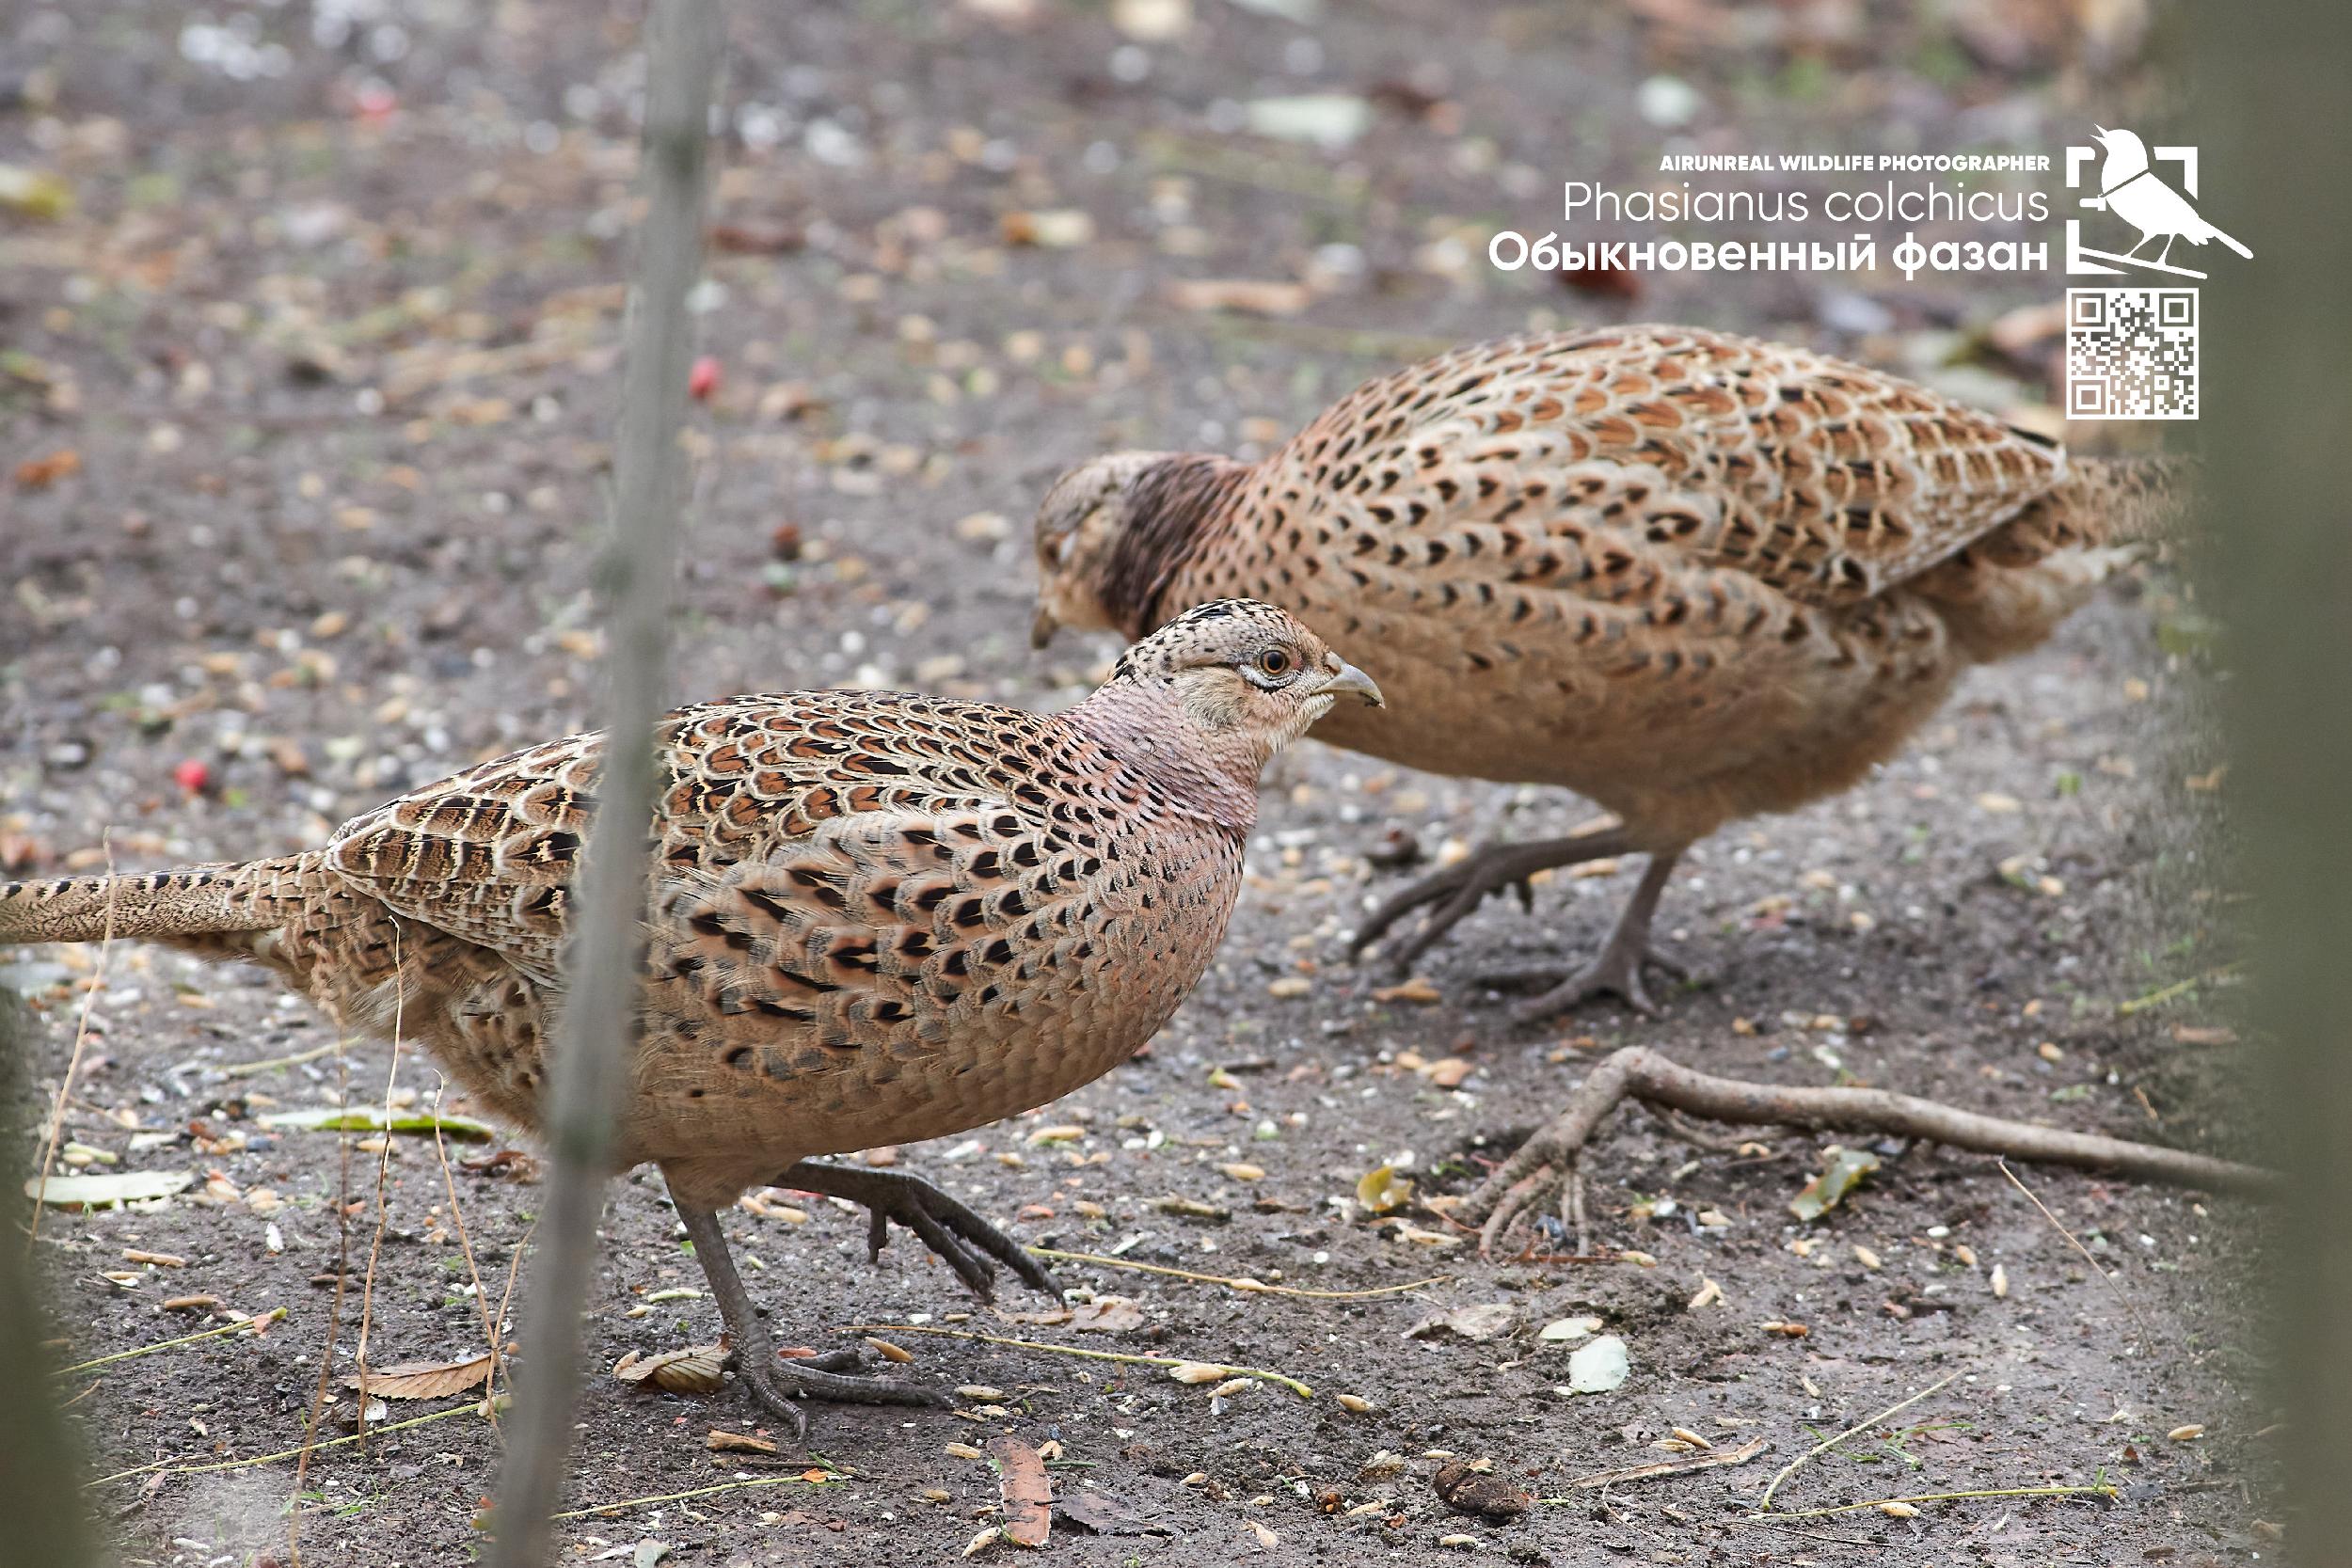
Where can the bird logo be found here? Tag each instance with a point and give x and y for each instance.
(2130, 187)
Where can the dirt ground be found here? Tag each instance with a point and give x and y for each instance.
(329, 335)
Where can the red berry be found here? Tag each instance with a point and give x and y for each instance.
(702, 379)
(192, 776)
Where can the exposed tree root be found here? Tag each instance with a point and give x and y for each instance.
(1545, 1169)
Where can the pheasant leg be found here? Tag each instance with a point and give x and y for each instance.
(961, 1238)
(1616, 968)
(1461, 887)
(774, 1382)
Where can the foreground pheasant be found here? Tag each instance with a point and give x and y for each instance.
(1691, 577)
(876, 917)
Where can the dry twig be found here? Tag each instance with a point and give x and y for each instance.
(1545, 1166)
(81, 1037)
(1302, 1389)
(1241, 1283)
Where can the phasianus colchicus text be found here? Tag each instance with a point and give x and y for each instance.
(874, 917)
(1692, 577)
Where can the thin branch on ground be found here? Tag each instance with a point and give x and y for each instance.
(1765, 1505)
(96, 983)
(1244, 1284)
(798, 1478)
(479, 1407)
(383, 1182)
(1544, 1169)
(600, 1015)
(2055, 1224)
(257, 1325)
(247, 1070)
(1129, 1359)
(2106, 1494)
(465, 1245)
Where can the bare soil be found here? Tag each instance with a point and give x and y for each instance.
(333, 350)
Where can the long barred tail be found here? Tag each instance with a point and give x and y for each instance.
(199, 901)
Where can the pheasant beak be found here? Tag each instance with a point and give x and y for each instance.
(1348, 678)
(1041, 629)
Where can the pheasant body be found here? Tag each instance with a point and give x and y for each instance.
(1689, 575)
(873, 917)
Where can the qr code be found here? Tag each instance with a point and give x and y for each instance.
(2131, 354)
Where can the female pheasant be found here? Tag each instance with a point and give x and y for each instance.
(875, 917)
(1692, 577)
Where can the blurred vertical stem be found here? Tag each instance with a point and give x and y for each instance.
(41, 1498)
(2274, 120)
(599, 1019)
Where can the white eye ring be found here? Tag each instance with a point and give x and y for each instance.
(1272, 669)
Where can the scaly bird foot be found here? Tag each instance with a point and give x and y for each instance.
(1462, 887)
(775, 1382)
(1615, 971)
(964, 1240)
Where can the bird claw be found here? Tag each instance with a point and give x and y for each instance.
(776, 1382)
(1462, 887)
(968, 1244)
(1616, 970)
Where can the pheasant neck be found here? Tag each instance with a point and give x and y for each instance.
(1173, 508)
(1143, 725)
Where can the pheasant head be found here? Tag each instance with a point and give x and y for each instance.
(1110, 531)
(1205, 702)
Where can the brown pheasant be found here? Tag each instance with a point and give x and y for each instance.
(1691, 577)
(875, 917)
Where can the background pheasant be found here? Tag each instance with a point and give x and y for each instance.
(876, 917)
(1692, 577)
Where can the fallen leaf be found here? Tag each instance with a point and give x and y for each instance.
(1561, 1331)
(39, 473)
(1381, 1190)
(36, 192)
(1248, 296)
(1328, 120)
(692, 1369)
(737, 1442)
(1093, 1509)
(1599, 1366)
(1062, 229)
(422, 1380)
(371, 1118)
(1842, 1171)
(1027, 1491)
(1487, 1320)
(129, 1186)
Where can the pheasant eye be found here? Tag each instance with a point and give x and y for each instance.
(1274, 661)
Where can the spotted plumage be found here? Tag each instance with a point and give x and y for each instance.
(873, 917)
(1691, 575)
